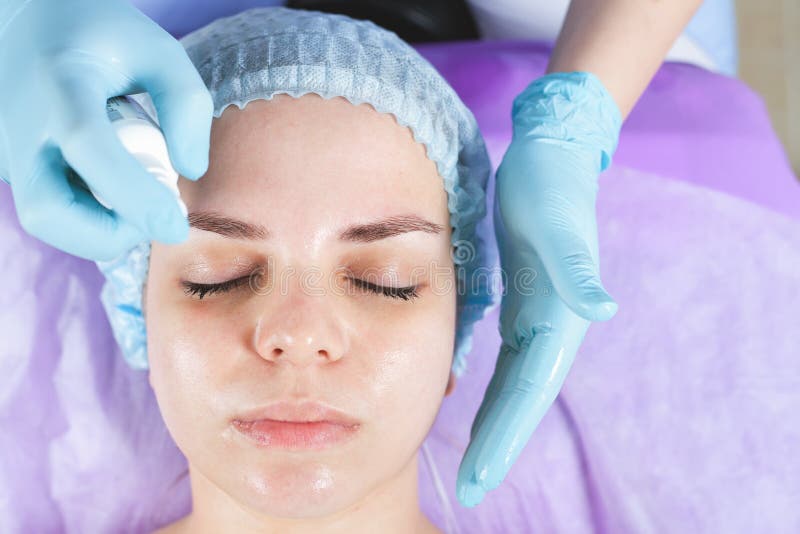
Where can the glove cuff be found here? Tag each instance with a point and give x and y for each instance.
(573, 107)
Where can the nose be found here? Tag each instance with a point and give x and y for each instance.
(300, 329)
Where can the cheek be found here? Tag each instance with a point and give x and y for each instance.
(412, 359)
(189, 348)
(183, 344)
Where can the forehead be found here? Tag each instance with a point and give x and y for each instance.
(316, 158)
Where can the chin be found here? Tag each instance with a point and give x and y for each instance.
(299, 490)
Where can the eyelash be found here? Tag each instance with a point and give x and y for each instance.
(201, 290)
(404, 293)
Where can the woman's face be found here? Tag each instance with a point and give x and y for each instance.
(311, 196)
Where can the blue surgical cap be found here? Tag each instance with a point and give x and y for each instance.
(262, 52)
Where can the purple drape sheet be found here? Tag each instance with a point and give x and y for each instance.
(679, 415)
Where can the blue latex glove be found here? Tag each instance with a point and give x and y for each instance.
(59, 63)
(566, 128)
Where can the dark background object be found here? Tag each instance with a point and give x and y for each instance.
(415, 21)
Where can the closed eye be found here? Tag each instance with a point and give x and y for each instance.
(404, 293)
(201, 290)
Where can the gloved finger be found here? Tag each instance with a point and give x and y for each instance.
(183, 104)
(93, 149)
(51, 209)
(514, 406)
(495, 384)
(575, 275)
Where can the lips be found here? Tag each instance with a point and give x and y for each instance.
(287, 425)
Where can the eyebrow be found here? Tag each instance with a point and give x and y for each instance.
(226, 226)
(357, 233)
(388, 227)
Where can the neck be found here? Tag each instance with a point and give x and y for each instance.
(392, 508)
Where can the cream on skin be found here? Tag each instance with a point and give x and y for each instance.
(301, 172)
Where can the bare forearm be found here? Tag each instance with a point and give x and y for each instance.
(622, 42)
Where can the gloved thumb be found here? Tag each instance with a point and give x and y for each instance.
(575, 275)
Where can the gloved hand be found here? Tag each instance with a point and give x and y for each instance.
(566, 128)
(59, 62)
